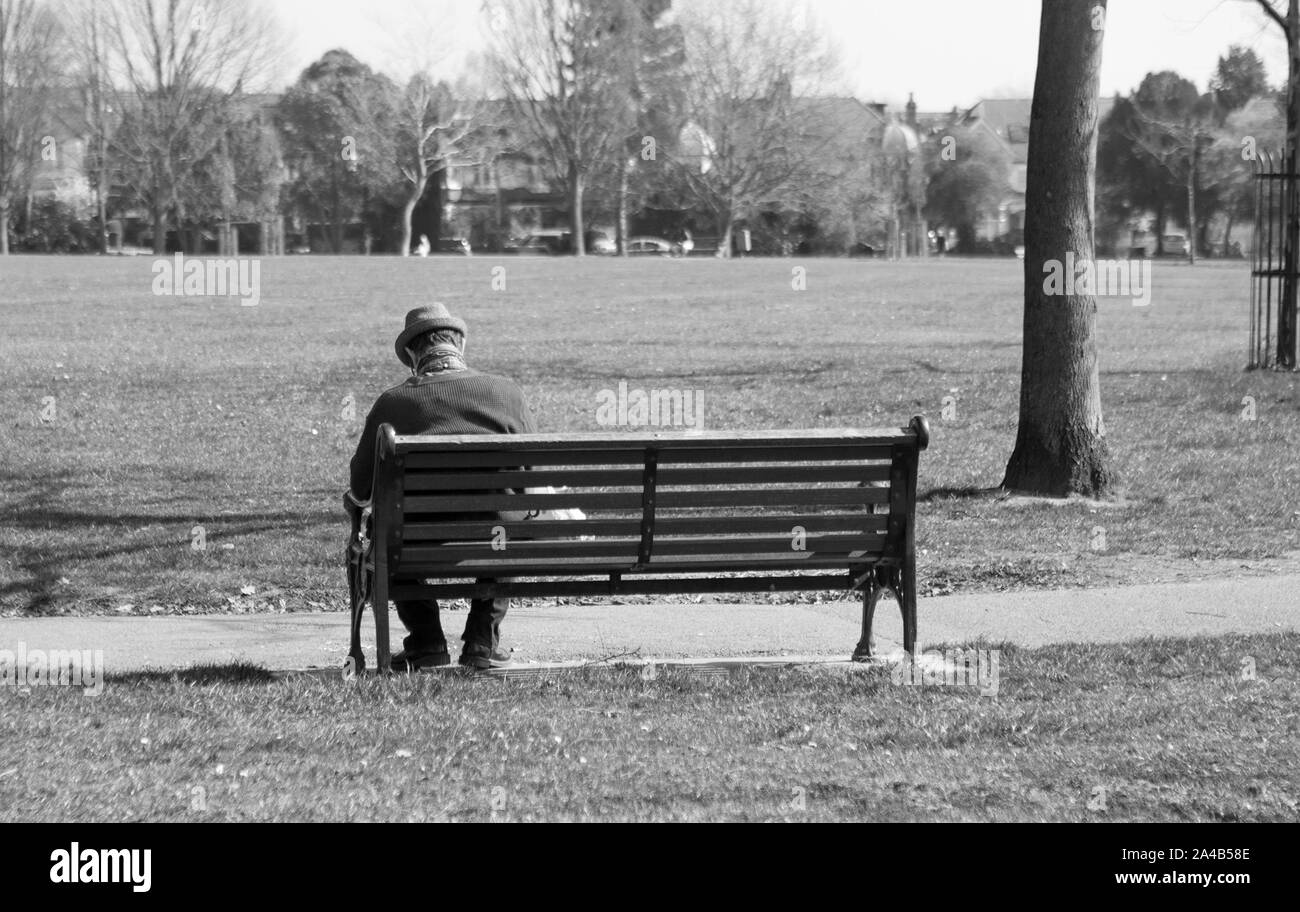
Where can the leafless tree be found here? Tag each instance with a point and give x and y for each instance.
(750, 66)
(86, 34)
(435, 125)
(1060, 443)
(563, 69)
(179, 64)
(1180, 139)
(28, 33)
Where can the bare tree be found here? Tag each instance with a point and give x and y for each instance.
(433, 132)
(563, 67)
(85, 25)
(27, 46)
(180, 63)
(1177, 129)
(750, 64)
(655, 55)
(1060, 444)
(435, 126)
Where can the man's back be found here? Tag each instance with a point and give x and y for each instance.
(450, 402)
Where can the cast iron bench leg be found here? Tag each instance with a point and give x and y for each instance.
(900, 581)
(871, 590)
(907, 602)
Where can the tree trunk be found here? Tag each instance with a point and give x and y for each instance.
(408, 211)
(159, 228)
(576, 224)
(1191, 208)
(724, 240)
(1286, 317)
(101, 207)
(1060, 443)
(102, 189)
(1227, 236)
(336, 220)
(624, 183)
(4, 227)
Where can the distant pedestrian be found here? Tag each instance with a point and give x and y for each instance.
(423, 248)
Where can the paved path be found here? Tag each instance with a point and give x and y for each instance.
(552, 634)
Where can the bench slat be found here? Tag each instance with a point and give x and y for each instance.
(630, 585)
(502, 565)
(456, 552)
(772, 523)
(585, 500)
(662, 440)
(514, 459)
(433, 480)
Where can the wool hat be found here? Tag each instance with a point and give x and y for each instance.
(423, 320)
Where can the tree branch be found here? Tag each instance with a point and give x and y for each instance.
(1275, 16)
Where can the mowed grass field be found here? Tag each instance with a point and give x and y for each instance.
(1163, 730)
(174, 418)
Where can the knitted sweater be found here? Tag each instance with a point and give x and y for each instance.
(448, 402)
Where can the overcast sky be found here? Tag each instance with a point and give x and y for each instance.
(948, 52)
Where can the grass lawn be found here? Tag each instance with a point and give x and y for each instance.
(176, 413)
(1167, 730)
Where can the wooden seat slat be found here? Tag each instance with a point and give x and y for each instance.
(629, 585)
(663, 441)
(587, 500)
(518, 458)
(454, 552)
(505, 568)
(776, 523)
(433, 480)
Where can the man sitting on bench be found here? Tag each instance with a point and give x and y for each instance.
(442, 396)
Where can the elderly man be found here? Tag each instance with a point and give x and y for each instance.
(442, 396)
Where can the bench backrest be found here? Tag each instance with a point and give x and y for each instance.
(672, 503)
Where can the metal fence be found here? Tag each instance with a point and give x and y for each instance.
(1273, 262)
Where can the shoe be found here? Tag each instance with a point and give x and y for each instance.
(414, 661)
(481, 657)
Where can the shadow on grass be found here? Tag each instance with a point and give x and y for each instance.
(40, 506)
(198, 675)
(962, 494)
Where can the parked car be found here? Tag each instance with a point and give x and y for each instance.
(454, 245)
(648, 246)
(1175, 245)
(543, 243)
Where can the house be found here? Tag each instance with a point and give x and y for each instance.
(501, 192)
(1006, 120)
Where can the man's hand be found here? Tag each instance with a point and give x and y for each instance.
(352, 506)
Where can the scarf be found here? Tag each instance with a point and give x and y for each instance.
(439, 360)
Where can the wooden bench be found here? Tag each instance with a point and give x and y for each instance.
(710, 512)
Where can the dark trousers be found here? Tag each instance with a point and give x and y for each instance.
(421, 619)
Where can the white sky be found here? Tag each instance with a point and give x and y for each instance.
(949, 52)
